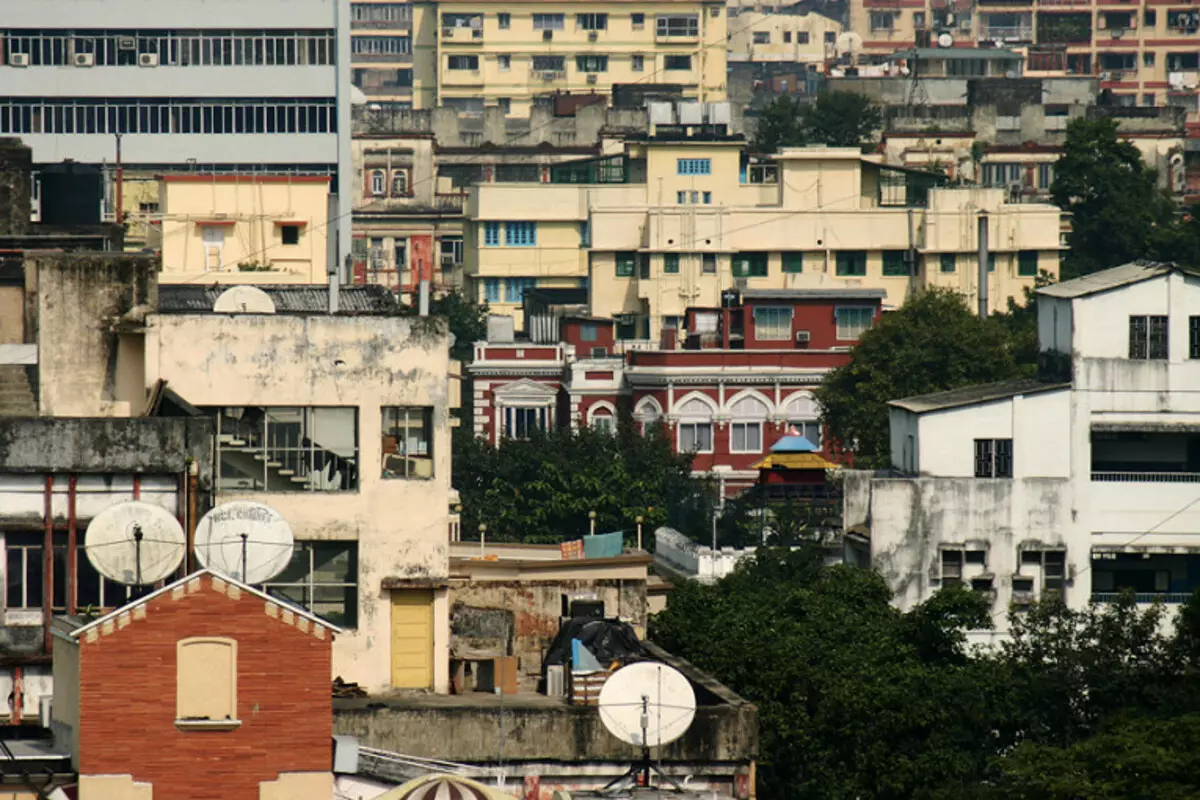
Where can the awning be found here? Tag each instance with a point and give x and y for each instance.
(297, 222)
(211, 222)
(795, 461)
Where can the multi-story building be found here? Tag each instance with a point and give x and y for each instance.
(727, 383)
(783, 37)
(1145, 56)
(381, 51)
(1082, 483)
(674, 221)
(468, 54)
(221, 86)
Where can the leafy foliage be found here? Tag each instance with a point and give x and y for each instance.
(932, 343)
(781, 124)
(837, 119)
(467, 320)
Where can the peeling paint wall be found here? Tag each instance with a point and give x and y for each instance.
(401, 526)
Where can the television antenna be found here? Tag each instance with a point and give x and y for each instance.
(135, 543)
(646, 704)
(247, 541)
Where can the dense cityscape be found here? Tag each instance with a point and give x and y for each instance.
(712, 399)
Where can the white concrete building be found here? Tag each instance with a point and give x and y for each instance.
(1086, 482)
(218, 85)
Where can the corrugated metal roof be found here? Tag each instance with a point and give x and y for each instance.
(971, 395)
(288, 299)
(1114, 278)
(847, 292)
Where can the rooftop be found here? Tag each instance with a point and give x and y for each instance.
(312, 299)
(972, 395)
(959, 54)
(838, 292)
(1124, 275)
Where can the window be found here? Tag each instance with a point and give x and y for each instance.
(750, 265)
(399, 183)
(1177, 62)
(588, 332)
(547, 22)
(1027, 263)
(504, 20)
(585, 234)
(591, 22)
(643, 265)
(1045, 176)
(626, 326)
(491, 290)
(708, 264)
(695, 437)
(322, 578)
(26, 570)
(707, 198)
(549, 63)
(637, 21)
(378, 183)
(504, 63)
(521, 423)
(764, 37)
(773, 324)
(381, 45)
(851, 262)
(801, 37)
(491, 234)
(381, 12)
(1118, 61)
(1048, 567)
(1193, 337)
(625, 264)
(1148, 337)
(648, 417)
(602, 421)
(1148, 99)
(682, 63)
(830, 37)
(515, 288)
(787, 37)
(1149, 18)
(407, 443)
(919, 19)
(206, 680)
(637, 63)
(591, 63)
(290, 234)
(520, 234)
(792, 261)
(852, 322)
(693, 166)
(678, 25)
(745, 437)
(464, 62)
(882, 20)
(993, 458)
(895, 262)
(279, 449)
(1183, 21)
(1148, 57)
(991, 263)
(948, 261)
(670, 263)
(961, 567)
(451, 249)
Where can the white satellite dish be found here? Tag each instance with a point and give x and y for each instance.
(647, 704)
(945, 40)
(135, 543)
(250, 542)
(849, 44)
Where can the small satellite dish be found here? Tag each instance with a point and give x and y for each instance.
(647, 704)
(135, 543)
(244, 300)
(945, 40)
(250, 542)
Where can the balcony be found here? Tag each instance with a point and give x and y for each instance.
(454, 202)
(381, 25)
(1170, 598)
(1145, 477)
(1007, 33)
(461, 34)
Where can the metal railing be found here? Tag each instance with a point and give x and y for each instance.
(1021, 33)
(1146, 477)
(450, 202)
(1143, 597)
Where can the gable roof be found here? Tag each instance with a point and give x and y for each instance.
(1103, 281)
(194, 576)
(973, 395)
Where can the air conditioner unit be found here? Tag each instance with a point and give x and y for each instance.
(593, 36)
(591, 78)
(148, 60)
(803, 338)
(476, 33)
(447, 260)
(547, 35)
(18, 59)
(127, 43)
(599, 352)
(549, 76)
(84, 60)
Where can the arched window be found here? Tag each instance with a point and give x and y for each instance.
(803, 414)
(695, 430)
(378, 183)
(746, 429)
(399, 183)
(602, 419)
(648, 415)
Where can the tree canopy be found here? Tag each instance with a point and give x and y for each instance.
(467, 320)
(860, 701)
(932, 343)
(837, 119)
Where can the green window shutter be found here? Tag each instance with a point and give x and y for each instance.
(625, 262)
(793, 261)
(1027, 263)
(949, 261)
(894, 263)
(670, 263)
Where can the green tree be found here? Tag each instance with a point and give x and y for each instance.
(781, 124)
(541, 490)
(842, 119)
(932, 343)
(1116, 207)
(467, 320)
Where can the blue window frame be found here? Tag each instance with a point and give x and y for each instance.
(515, 288)
(520, 234)
(693, 166)
(491, 234)
(491, 290)
(585, 234)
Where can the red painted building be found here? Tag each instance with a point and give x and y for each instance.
(205, 689)
(727, 384)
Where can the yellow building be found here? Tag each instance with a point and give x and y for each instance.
(796, 38)
(244, 228)
(472, 53)
(671, 224)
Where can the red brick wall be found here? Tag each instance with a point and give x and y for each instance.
(127, 700)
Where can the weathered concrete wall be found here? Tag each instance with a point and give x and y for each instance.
(15, 166)
(365, 363)
(80, 299)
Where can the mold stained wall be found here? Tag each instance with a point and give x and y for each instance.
(365, 362)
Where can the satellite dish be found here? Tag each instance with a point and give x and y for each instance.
(945, 40)
(244, 300)
(647, 704)
(135, 543)
(249, 542)
(849, 44)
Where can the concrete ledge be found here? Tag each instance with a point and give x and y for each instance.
(18, 354)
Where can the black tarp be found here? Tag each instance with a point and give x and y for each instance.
(607, 639)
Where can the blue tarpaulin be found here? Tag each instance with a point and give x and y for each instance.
(603, 545)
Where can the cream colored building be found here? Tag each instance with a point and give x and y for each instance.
(243, 228)
(800, 38)
(474, 53)
(678, 222)
(381, 51)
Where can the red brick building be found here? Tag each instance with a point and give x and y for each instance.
(728, 382)
(205, 689)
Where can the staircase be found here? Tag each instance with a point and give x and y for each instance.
(16, 395)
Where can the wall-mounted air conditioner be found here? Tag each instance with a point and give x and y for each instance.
(803, 338)
(593, 36)
(148, 60)
(84, 60)
(599, 352)
(591, 78)
(18, 59)
(547, 35)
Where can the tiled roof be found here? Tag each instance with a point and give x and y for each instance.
(972, 395)
(288, 299)
(1133, 272)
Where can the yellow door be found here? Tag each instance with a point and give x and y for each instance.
(412, 639)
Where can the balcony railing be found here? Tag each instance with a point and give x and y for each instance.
(1146, 477)
(1143, 597)
(1007, 33)
(450, 202)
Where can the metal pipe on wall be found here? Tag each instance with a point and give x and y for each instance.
(47, 561)
(72, 545)
(983, 265)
